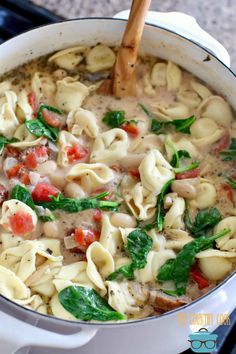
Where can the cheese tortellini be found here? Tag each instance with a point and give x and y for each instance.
(217, 109)
(155, 171)
(82, 121)
(166, 74)
(43, 86)
(100, 58)
(90, 176)
(26, 139)
(227, 242)
(205, 131)
(206, 196)
(110, 147)
(69, 58)
(70, 94)
(8, 119)
(176, 110)
(100, 265)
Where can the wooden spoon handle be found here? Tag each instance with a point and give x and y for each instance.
(124, 79)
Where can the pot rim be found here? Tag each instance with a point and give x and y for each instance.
(228, 279)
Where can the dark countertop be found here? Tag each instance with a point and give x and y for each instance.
(216, 17)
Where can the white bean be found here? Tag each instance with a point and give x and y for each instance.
(123, 220)
(47, 168)
(58, 178)
(73, 190)
(51, 229)
(184, 189)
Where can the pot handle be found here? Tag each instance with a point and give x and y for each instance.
(187, 27)
(15, 334)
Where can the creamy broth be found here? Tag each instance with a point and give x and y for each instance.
(164, 162)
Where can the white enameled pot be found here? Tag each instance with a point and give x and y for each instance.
(172, 36)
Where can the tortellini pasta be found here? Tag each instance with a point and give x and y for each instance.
(166, 74)
(13, 206)
(24, 110)
(110, 146)
(155, 171)
(217, 109)
(216, 264)
(100, 58)
(206, 196)
(12, 286)
(82, 121)
(100, 265)
(141, 201)
(70, 94)
(180, 144)
(176, 239)
(174, 216)
(43, 86)
(200, 89)
(227, 242)
(34, 302)
(189, 98)
(90, 176)
(69, 58)
(8, 119)
(168, 113)
(110, 236)
(205, 131)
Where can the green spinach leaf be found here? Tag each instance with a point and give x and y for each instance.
(72, 205)
(127, 271)
(204, 222)
(230, 153)
(190, 167)
(160, 209)
(231, 182)
(86, 304)
(175, 161)
(39, 127)
(114, 119)
(4, 141)
(178, 269)
(22, 194)
(138, 246)
(181, 125)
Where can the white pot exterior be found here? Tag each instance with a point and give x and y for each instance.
(159, 335)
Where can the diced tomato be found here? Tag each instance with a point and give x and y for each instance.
(35, 156)
(84, 238)
(24, 178)
(222, 144)
(12, 151)
(188, 174)
(134, 173)
(42, 191)
(199, 279)
(21, 223)
(229, 191)
(97, 215)
(51, 118)
(31, 160)
(76, 152)
(33, 102)
(3, 193)
(131, 129)
(13, 171)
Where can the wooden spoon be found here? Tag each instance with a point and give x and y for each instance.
(124, 75)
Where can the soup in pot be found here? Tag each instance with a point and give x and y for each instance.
(113, 209)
